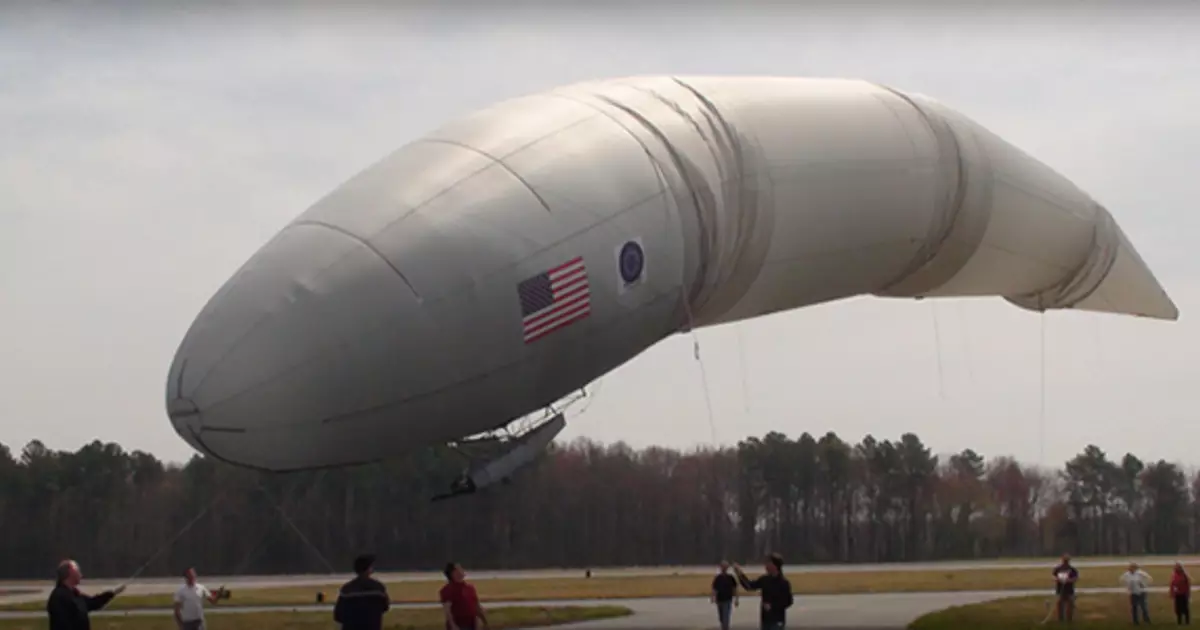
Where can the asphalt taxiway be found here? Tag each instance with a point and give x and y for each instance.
(877, 611)
(152, 585)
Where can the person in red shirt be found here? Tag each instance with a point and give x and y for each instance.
(1181, 586)
(459, 600)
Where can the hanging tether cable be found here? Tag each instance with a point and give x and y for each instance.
(742, 368)
(1042, 391)
(205, 510)
(262, 540)
(177, 536)
(712, 424)
(937, 348)
(966, 338)
(252, 554)
(287, 519)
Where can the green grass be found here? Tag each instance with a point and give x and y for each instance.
(1095, 612)
(426, 619)
(527, 589)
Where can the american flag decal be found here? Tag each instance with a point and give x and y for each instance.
(554, 299)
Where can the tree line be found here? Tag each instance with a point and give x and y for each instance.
(585, 504)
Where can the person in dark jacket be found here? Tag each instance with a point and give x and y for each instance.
(362, 601)
(1065, 577)
(724, 595)
(67, 607)
(776, 592)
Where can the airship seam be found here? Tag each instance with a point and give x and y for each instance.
(703, 205)
(1106, 247)
(368, 245)
(668, 191)
(351, 415)
(950, 198)
(499, 162)
(265, 315)
(748, 218)
(178, 382)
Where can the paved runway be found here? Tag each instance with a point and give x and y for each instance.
(168, 584)
(864, 612)
(891, 611)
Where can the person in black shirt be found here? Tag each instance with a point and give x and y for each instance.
(776, 592)
(1065, 577)
(362, 601)
(67, 607)
(724, 595)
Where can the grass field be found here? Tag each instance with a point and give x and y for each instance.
(1097, 612)
(516, 590)
(500, 618)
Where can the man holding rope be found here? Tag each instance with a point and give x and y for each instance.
(189, 602)
(776, 592)
(67, 607)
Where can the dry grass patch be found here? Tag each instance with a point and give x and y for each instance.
(1094, 612)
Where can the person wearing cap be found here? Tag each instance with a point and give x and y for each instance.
(67, 607)
(361, 602)
(776, 592)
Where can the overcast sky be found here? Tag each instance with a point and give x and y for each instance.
(145, 155)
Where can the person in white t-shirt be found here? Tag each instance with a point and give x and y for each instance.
(1137, 582)
(189, 602)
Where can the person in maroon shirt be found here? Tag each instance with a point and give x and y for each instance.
(459, 600)
(1180, 591)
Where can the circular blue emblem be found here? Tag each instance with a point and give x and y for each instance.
(631, 261)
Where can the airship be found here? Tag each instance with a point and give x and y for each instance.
(496, 266)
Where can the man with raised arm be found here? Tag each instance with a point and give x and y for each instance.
(1137, 582)
(189, 601)
(67, 607)
(776, 592)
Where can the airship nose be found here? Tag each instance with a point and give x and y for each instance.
(262, 372)
(402, 309)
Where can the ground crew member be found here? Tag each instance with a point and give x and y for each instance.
(1065, 577)
(460, 602)
(362, 601)
(1181, 592)
(189, 601)
(1137, 581)
(724, 595)
(776, 592)
(67, 607)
